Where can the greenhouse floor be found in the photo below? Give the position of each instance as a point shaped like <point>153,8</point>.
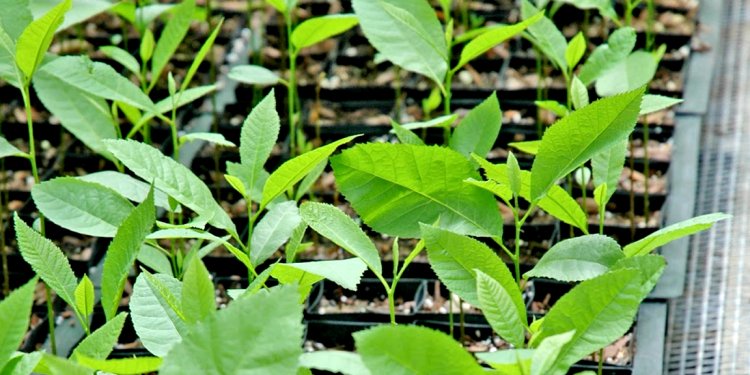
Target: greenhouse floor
<point>709,324</point>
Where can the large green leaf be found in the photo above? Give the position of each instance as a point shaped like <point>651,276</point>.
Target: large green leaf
<point>296,169</point>
<point>394,187</point>
<point>122,252</point>
<point>274,335</point>
<point>492,37</point>
<point>479,129</point>
<point>47,260</point>
<point>22,363</point>
<point>79,12</point>
<point>498,306</point>
<point>81,206</point>
<point>618,47</point>
<point>273,230</point>
<point>409,350</point>
<point>577,259</point>
<point>546,36</point>
<point>636,70</point>
<point>673,232</point>
<point>318,29</point>
<point>455,258</point>
<point>15,17</point>
<point>172,178</point>
<point>127,186</point>
<point>14,318</point>
<point>335,225</point>
<point>100,343</point>
<point>346,272</point>
<point>407,33</point>
<point>157,324</point>
<point>123,366</point>
<point>171,37</point>
<point>257,138</point>
<point>337,361</point>
<point>198,300</point>
<point>575,139</point>
<point>607,165</point>
<point>36,38</point>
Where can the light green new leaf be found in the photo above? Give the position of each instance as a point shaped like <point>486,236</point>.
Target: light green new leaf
<point>15,17</point>
<point>454,258</point>
<point>185,97</point>
<point>545,36</point>
<point>54,365</point>
<point>79,12</point>
<point>274,333</point>
<point>123,366</point>
<point>172,178</point>
<point>294,170</point>
<point>636,70</point>
<point>405,135</point>
<point>22,363</point>
<point>497,306</point>
<point>529,147</point>
<point>215,138</point>
<point>579,258</point>
<point>309,180</point>
<point>579,93</point>
<point>279,5</point>
<point>500,190</point>
<point>673,232</point>
<point>122,252</point>
<point>650,267</point>
<point>478,131</point>
<point>198,300</point>
<point>99,344</point>
<point>171,37</point>
<point>408,350</point>
<point>492,37</point>
<point>394,187</point>
<point>336,361</point>
<point>438,122</point>
<point>335,225</point>
<point>653,103</point>
<point>84,295</point>
<point>253,75</point>
<point>215,240</point>
<point>603,6</point>
<point>155,260</point>
<point>81,206</point>
<point>36,38</point>
<point>200,56</point>
<point>14,318</point>
<point>257,139</point>
<point>509,361</point>
<point>576,48</point>
<point>123,57</point>
<point>127,186</point>
<point>47,260</point>
<point>295,242</point>
<point>515,181</point>
<point>157,324</point>
<point>318,29</point>
<point>607,165</point>
<point>552,106</point>
<point>8,69</point>
<point>7,149</point>
<point>578,137</point>
<point>544,356</point>
<point>618,47</point>
<point>146,49</point>
<point>407,33</point>
<point>273,230</point>
<point>346,272</point>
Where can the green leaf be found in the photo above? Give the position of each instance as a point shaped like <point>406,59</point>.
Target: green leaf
<point>546,36</point>
<point>99,344</point>
<point>198,300</point>
<point>185,97</point>
<point>36,38</point>
<point>407,33</point>
<point>514,175</point>
<point>654,103</point>
<point>279,5</point>
<point>478,131</point>
<point>155,260</point>
<point>127,186</point>
<point>201,56</point>
<point>603,6</point>
<point>529,147</point>
<point>673,232</point>
<point>190,233</point>
<point>122,253</point>
<point>336,361</point>
<point>257,139</point>
<point>346,272</point>
<point>619,45</point>
<point>575,50</point>
<point>171,37</point>
<point>579,93</point>
<point>124,366</point>
<point>310,180</point>
<point>47,261</point>
<point>552,106</point>
<point>394,187</point>
<point>253,75</point>
<point>123,57</point>
<point>650,267</point>
<point>22,364</point>
<point>81,206</point>
<point>79,12</point>
<point>607,165</point>
<point>15,17</point>
<point>295,241</point>
<point>636,70</point>
<point>294,170</point>
<point>576,138</point>
<point>405,135</point>
<point>84,296</point>
<point>146,50</point>
<point>335,225</point>
<point>500,190</point>
<point>438,122</point>
<point>274,334</point>
<point>544,356</point>
<point>498,306</point>
<point>492,37</point>
<point>7,149</point>
<point>601,197</point>
<point>172,178</point>
<point>579,258</point>
<point>215,138</point>
<point>407,350</point>
<point>157,324</point>
<point>54,365</point>
<point>509,361</point>
<point>14,318</point>
<point>318,29</point>
<point>8,69</point>
<point>273,230</point>
<point>454,258</point>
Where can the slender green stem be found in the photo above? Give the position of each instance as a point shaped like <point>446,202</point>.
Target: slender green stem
<point>3,253</point>
<point>517,241</point>
<point>292,86</point>
<point>51,320</point>
<point>450,313</point>
<point>539,92</point>
<point>601,362</point>
<point>646,172</point>
<point>447,105</point>
<point>650,36</point>
<point>175,138</point>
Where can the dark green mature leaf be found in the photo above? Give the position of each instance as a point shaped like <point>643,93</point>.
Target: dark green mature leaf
<point>122,252</point>
<point>578,137</point>
<point>15,17</point>
<point>407,33</point>
<point>36,38</point>
<point>492,37</point>
<point>124,366</point>
<point>47,260</point>
<point>347,273</point>
<point>455,258</point>
<point>127,186</point>
<point>618,47</point>
<point>171,37</point>
<point>607,165</point>
<point>577,259</point>
<point>673,232</point>
<point>337,361</point>
<point>499,307</point>
<point>7,149</point>
<point>84,207</point>
<point>273,230</point>
<point>14,318</point>
<point>318,29</point>
<point>394,187</point>
<point>335,225</point>
<point>546,36</point>
<point>274,334</point>
<point>636,70</point>
<point>172,178</point>
<point>157,324</point>
<point>253,75</point>
<point>100,343</point>
<point>478,131</point>
<point>198,300</point>
<point>408,350</point>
